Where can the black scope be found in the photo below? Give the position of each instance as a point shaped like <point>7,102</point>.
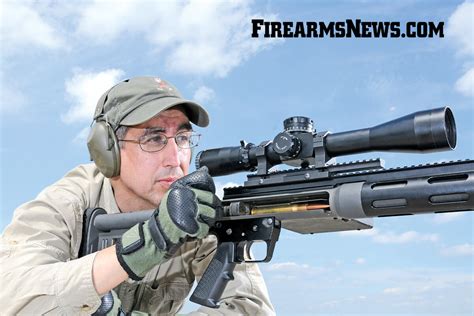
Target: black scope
<point>423,131</point>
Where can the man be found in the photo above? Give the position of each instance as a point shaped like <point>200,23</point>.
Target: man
<point>141,144</point>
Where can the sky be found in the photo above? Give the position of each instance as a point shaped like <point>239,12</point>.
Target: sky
<point>58,57</point>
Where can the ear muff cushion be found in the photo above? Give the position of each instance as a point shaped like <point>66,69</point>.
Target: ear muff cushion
<point>104,149</point>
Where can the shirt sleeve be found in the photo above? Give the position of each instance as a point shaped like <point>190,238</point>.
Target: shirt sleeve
<point>245,295</point>
<point>38,275</point>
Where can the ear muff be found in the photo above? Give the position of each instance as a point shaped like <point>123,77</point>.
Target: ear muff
<point>104,149</point>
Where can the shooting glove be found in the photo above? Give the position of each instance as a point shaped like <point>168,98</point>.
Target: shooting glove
<point>186,210</point>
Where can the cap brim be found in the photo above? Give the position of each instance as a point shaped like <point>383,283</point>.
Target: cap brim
<point>196,113</point>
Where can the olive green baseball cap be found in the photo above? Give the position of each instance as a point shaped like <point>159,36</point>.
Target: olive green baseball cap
<point>136,100</point>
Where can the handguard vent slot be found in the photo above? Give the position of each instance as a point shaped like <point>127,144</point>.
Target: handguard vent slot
<point>391,203</point>
<point>450,178</point>
<point>389,185</point>
<point>449,198</point>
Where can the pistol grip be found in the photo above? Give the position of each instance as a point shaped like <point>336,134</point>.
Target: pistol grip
<point>212,284</point>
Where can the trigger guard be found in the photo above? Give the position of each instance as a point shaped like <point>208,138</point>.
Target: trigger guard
<point>242,252</point>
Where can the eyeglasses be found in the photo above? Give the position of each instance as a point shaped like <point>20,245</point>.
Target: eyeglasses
<point>157,141</point>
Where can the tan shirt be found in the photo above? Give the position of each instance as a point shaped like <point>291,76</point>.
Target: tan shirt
<point>41,273</point>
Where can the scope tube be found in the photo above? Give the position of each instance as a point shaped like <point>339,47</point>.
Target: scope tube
<point>224,161</point>
<point>228,160</point>
<point>424,131</point>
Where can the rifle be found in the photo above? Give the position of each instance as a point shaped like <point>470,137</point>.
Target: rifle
<point>317,195</point>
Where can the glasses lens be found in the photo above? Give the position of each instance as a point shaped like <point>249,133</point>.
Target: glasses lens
<point>153,143</point>
<point>187,140</point>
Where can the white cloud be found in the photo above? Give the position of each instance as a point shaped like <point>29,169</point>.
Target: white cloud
<point>393,238</point>
<point>81,138</point>
<point>403,238</point>
<point>102,22</point>
<point>392,290</point>
<point>287,266</point>
<point>447,217</point>
<point>458,250</point>
<point>461,28</point>
<point>192,38</point>
<point>387,289</point>
<point>85,88</point>
<point>360,261</point>
<point>23,26</point>
<point>291,271</point>
<point>363,232</point>
<point>204,94</point>
<point>465,84</point>
<point>220,187</point>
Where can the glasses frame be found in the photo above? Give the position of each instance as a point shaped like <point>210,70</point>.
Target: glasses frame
<point>141,138</point>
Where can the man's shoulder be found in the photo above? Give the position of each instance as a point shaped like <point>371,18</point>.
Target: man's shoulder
<point>84,182</point>
<point>86,171</point>
<point>82,176</point>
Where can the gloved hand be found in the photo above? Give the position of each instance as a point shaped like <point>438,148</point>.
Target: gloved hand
<point>185,211</point>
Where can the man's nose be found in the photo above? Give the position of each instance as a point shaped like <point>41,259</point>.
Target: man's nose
<point>171,154</point>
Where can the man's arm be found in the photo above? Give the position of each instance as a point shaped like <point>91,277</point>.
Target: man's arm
<point>107,272</point>
<point>38,275</point>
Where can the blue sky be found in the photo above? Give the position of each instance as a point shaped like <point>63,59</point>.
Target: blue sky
<point>58,57</point>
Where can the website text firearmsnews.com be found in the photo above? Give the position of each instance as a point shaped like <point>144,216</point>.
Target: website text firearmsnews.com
<point>346,29</point>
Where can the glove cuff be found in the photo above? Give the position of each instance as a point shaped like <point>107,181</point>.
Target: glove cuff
<point>123,263</point>
<point>141,248</point>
